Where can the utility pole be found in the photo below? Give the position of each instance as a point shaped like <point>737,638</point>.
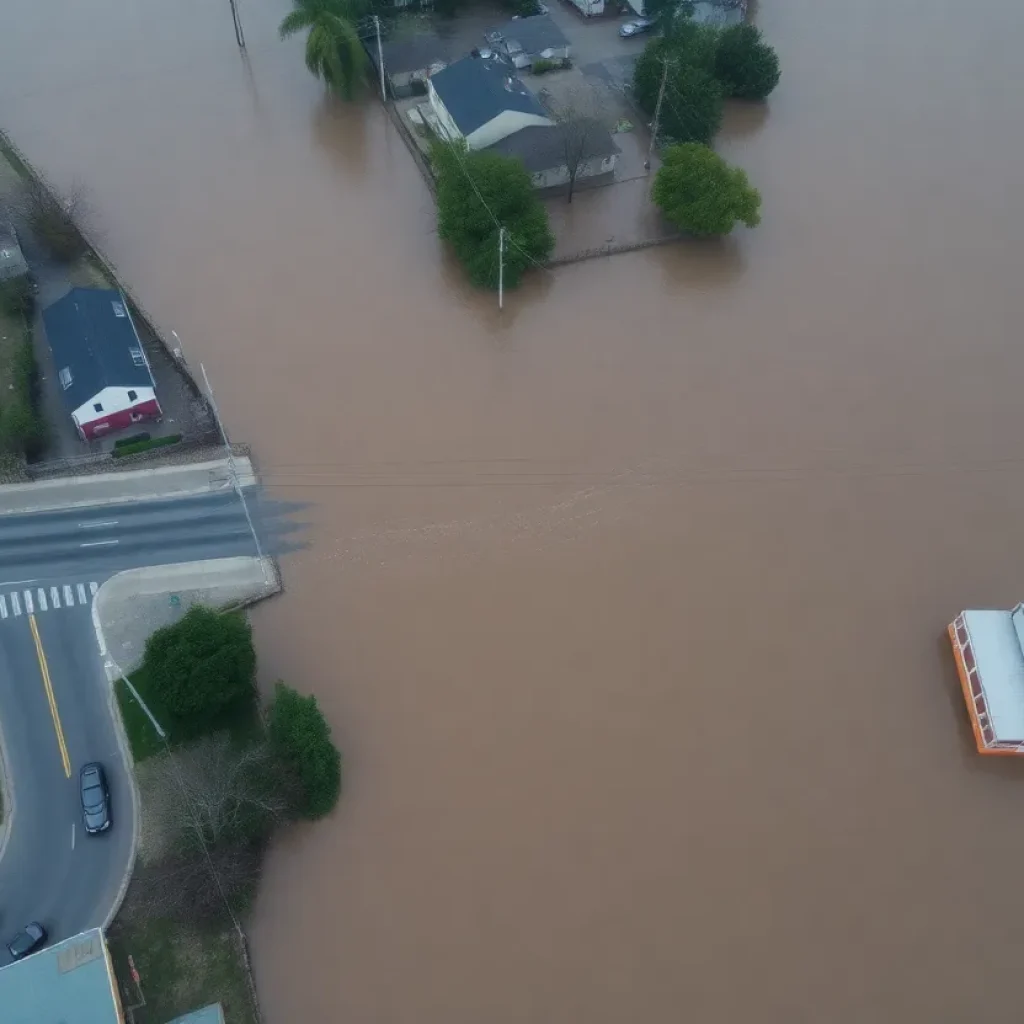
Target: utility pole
<point>380,61</point>
<point>501,267</point>
<point>657,111</point>
<point>239,36</point>
<point>234,474</point>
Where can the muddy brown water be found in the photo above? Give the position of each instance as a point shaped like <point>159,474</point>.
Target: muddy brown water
<point>627,606</point>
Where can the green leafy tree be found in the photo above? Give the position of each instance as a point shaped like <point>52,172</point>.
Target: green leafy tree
<point>747,67</point>
<point>691,110</point>
<point>201,666</point>
<point>334,52</point>
<point>301,739</point>
<point>700,193</point>
<point>477,191</point>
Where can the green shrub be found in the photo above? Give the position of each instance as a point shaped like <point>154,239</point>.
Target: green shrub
<point>692,104</point>
<point>539,67</point>
<point>121,442</point>
<point>144,446</point>
<point>747,67</point>
<point>201,666</point>
<point>301,739</point>
<point>22,427</point>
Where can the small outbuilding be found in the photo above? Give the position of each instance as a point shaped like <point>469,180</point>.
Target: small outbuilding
<point>523,41</point>
<point>409,62</point>
<point>102,368</point>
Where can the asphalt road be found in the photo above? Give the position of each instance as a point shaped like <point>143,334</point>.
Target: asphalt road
<point>55,713</point>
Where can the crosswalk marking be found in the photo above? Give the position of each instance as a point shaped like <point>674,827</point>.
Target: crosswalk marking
<point>13,601</point>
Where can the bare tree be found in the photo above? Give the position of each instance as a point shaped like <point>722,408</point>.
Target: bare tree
<point>576,116</point>
<point>209,793</point>
<point>56,219</point>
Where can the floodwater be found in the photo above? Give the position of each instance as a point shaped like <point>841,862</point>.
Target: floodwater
<point>627,606</point>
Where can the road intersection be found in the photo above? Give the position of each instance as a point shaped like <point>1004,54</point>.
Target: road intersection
<point>56,712</point>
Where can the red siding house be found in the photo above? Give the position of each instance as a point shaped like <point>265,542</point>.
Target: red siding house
<point>101,365</point>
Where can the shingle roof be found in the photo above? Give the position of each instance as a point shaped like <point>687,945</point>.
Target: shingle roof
<point>540,148</point>
<point>92,335</point>
<point>475,90</point>
<point>68,982</point>
<point>413,54</point>
<point>533,34</point>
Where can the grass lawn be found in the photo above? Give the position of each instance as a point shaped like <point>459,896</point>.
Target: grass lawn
<point>242,722</point>
<point>88,272</point>
<point>181,969</point>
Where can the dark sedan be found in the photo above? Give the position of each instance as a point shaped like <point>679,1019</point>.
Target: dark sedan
<point>95,798</point>
<point>28,940</point>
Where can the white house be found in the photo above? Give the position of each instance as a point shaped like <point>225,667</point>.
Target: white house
<point>481,100</point>
<point>589,7</point>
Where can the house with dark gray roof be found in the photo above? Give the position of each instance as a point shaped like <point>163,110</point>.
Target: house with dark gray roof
<point>481,100</point>
<point>546,153</point>
<point>409,62</point>
<point>102,369</point>
<point>71,982</point>
<point>525,40</point>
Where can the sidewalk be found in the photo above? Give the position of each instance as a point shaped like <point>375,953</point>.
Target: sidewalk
<point>133,604</point>
<point>130,485</point>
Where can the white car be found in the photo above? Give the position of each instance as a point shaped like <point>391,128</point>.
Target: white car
<point>635,27</point>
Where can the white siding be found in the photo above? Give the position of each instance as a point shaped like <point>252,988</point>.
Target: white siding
<point>590,7</point>
<point>506,123</point>
<point>113,400</point>
<point>447,122</point>
<point>555,176</point>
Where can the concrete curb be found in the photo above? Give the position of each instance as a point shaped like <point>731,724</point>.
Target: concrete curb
<point>160,481</point>
<point>7,790</point>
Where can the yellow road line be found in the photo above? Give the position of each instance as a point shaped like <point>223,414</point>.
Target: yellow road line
<point>45,669</point>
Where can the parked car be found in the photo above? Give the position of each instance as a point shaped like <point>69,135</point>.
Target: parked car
<point>28,940</point>
<point>95,798</point>
<point>635,26</point>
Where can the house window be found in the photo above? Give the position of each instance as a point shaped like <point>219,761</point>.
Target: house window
<point>137,357</point>
<point>65,377</point>
<point>135,417</point>
<point>119,309</point>
<point>98,406</point>
<point>132,395</point>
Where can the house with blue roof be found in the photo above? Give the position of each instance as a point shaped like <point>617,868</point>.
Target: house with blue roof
<point>481,100</point>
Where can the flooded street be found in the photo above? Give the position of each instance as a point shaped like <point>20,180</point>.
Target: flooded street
<point>627,606</point>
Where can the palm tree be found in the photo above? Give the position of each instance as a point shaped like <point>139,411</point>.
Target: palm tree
<point>333,50</point>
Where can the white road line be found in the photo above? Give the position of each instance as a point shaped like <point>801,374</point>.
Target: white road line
<point>14,583</point>
<point>93,587</point>
<point>96,526</point>
<point>15,603</point>
<point>28,602</point>
<point>81,593</point>
<point>69,596</point>
<point>72,835</point>
<point>98,543</point>
<point>54,597</point>
<point>3,607</point>
<point>42,599</point>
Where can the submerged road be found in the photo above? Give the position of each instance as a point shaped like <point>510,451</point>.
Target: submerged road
<point>55,711</point>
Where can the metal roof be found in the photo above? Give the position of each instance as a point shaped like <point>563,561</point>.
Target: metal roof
<point>67,983</point>
<point>416,53</point>
<point>93,339</point>
<point>1000,662</point>
<point>476,90</point>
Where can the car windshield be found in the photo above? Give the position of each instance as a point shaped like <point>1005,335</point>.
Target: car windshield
<point>22,943</point>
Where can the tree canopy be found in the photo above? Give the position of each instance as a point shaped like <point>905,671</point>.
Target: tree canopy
<point>301,739</point>
<point>701,194</point>
<point>334,52</point>
<point>691,110</point>
<point>747,67</point>
<point>200,666</point>
<point>476,192</point>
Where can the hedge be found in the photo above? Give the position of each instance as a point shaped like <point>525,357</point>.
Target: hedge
<point>144,446</point>
<point>123,442</point>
